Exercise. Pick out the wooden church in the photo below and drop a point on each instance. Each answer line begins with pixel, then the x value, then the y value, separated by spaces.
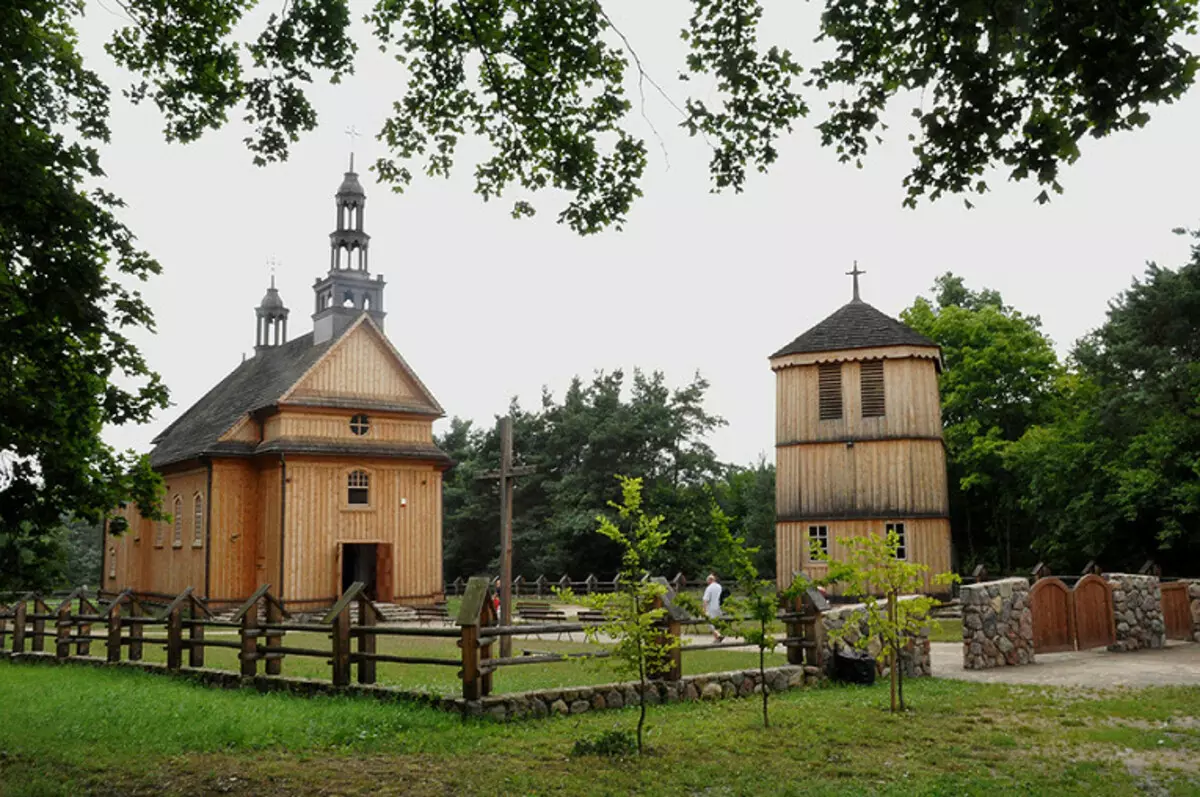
pixel 309 467
pixel 858 441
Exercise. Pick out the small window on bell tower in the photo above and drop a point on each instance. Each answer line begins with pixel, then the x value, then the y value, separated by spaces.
pixel 360 424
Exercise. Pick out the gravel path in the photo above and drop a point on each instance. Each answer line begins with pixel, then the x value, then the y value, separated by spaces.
pixel 1177 663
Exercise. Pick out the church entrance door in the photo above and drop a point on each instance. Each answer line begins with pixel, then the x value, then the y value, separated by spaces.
pixel 370 563
pixel 358 564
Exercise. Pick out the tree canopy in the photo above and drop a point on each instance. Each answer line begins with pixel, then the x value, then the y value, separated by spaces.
pixel 639 427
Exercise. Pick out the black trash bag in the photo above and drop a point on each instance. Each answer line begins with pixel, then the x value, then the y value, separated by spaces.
pixel 853 667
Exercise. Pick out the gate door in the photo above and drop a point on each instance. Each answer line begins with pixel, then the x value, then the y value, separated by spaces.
pixel 1176 608
pixel 1053 616
pixel 1094 612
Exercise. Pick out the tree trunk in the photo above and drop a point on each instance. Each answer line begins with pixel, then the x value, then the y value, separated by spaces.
pixel 642 680
pixel 895 653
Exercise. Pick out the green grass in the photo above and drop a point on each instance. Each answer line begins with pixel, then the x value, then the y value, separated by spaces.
pixel 444 679
pixel 946 631
pixel 78 730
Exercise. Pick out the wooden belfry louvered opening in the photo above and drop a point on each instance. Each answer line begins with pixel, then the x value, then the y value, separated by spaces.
pixel 874 402
pixel 830 391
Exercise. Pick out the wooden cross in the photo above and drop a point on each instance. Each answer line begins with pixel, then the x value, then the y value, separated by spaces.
pixel 855 274
pixel 352 133
pixel 506 474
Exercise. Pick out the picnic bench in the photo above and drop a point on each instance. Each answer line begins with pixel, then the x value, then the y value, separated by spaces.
pixel 590 616
pixel 541 612
pixel 430 614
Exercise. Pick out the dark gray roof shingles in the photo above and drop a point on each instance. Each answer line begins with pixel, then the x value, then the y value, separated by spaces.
pixel 258 382
pixel 856 325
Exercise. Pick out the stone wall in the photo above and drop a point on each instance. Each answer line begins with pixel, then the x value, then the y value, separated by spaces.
pixel 1137 612
pixel 582 699
pixel 914 662
pixel 997 624
pixel 1194 594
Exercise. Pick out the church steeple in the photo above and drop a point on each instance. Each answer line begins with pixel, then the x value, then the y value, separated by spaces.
pixel 347 290
pixel 271 316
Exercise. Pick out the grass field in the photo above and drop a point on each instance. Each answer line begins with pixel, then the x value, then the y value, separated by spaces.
pixel 77 730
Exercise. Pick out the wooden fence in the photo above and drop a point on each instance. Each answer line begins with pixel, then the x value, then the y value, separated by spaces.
pixel 126 622
pixel 591 585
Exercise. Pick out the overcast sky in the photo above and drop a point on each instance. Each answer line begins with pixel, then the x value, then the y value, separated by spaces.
pixel 485 308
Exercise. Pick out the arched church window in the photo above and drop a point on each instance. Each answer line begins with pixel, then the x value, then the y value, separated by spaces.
pixel 177 540
pixel 358 488
pixel 366 302
pixel 197 521
pixel 360 424
pixel 348 299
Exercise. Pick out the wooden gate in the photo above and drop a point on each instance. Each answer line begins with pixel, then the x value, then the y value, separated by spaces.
pixel 1177 614
pixel 1051 602
pixel 1093 613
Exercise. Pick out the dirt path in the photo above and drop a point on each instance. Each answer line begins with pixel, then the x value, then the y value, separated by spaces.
pixel 1176 664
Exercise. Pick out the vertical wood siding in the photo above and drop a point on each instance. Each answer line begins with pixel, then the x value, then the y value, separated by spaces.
pixel 319 518
pixel 927 540
pixel 360 366
pixel 912 405
pixel 297 425
pixel 141 565
pixel 235 528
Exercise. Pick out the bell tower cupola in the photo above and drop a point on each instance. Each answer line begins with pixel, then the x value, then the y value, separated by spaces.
pixel 271 316
pixel 348 290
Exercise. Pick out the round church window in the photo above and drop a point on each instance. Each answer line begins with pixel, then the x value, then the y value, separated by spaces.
pixel 360 424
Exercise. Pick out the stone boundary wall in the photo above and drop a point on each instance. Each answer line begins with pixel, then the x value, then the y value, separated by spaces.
pixel 915 663
pixel 516 705
pixel 997 624
pixel 1137 612
pixel 1194 595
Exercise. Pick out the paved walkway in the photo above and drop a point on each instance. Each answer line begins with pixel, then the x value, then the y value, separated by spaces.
pixel 1177 663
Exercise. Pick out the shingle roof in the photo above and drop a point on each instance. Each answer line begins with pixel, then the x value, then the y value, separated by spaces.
pixel 856 325
pixel 254 384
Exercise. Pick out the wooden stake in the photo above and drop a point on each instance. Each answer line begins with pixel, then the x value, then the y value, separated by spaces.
pixel 366 641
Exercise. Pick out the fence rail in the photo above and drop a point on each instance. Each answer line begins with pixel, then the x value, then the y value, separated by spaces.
pixel 122 624
pixel 542 586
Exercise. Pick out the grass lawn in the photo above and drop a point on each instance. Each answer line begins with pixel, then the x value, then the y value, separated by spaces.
pixel 947 631
pixel 444 679
pixel 78 730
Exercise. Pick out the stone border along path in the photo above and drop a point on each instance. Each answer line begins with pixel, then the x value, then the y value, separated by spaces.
pixel 1178 663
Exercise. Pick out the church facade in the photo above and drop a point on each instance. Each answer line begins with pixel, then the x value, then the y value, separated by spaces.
pixel 312 465
pixel 859 449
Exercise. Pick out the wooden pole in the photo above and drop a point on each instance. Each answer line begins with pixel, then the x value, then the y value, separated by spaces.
pixel 366 641
pixel 136 630
pixel 470 662
pixel 83 647
pixel 506 546
pixel 174 639
pixel 19 612
pixel 38 640
pixel 249 632
pixel 113 651
pixel 274 616
pixel 196 637
pixel 341 647
pixel 62 647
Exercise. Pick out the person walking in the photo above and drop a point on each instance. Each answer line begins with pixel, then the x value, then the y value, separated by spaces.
pixel 712 605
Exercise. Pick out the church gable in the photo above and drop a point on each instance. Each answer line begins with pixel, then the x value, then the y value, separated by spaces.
pixel 363 368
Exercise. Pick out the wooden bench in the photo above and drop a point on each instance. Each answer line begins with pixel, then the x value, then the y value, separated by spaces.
pixel 590 616
pixel 537 612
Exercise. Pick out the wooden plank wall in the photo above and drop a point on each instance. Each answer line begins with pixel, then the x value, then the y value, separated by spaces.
pixel 167 568
pixel 235 528
pixel 912 404
pixel 266 541
pixel 927 539
pixel 873 477
pixel 335 425
pixel 319 517
pixel 360 366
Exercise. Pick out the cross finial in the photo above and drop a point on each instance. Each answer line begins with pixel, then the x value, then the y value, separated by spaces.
pixel 855 274
pixel 352 133
pixel 272 263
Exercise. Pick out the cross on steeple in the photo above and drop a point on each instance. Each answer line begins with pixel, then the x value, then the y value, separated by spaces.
pixel 271 264
pixel 352 133
pixel 855 274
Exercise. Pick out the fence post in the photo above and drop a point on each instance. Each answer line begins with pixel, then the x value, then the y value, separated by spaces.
pixel 564 583
pixel 83 645
pixel 136 629
pixel 366 641
pixel 679 583
pixel 113 651
pixel 517 584
pixel 195 637
pixel 19 611
pixel 274 637
pixel 540 584
pixel 458 585
pixel 341 647
pixel 249 633
pixel 589 584
pixel 62 647
pixel 174 639
pixel 38 641
pixel 476 611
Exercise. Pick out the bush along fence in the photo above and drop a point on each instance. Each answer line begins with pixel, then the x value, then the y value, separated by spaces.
pixel 1006 622
pixel 31 629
